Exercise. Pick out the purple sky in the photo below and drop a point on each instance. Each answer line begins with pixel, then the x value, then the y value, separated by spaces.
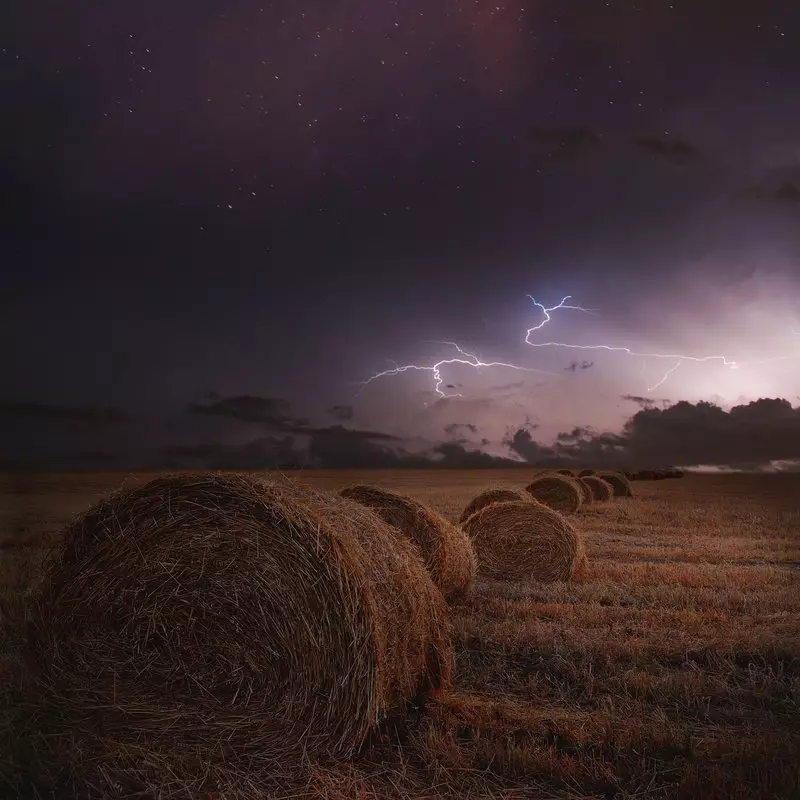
pixel 208 201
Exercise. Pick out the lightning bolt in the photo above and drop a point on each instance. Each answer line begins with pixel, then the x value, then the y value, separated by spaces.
pixel 665 376
pixel 548 311
pixel 679 358
pixel 465 358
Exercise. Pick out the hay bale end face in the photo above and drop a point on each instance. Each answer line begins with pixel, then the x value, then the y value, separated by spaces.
pixel 489 496
pixel 519 540
pixel 559 492
pixel 445 548
pixel 601 490
pixel 198 631
pixel 620 484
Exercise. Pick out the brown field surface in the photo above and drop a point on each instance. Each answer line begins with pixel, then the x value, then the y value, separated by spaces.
pixel 672 669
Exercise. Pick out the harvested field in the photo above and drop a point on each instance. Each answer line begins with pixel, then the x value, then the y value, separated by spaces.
pixel 671 669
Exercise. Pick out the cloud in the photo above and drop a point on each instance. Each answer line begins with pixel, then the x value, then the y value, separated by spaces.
pixel 341 412
pixel 262 453
pixel 270 411
pixel 645 402
pixel 576 434
pixel 576 365
pixel 522 443
pixel 678 151
pixel 786 192
pixel 454 427
pixel 566 142
pixel 91 416
pixel 757 434
pixel 455 456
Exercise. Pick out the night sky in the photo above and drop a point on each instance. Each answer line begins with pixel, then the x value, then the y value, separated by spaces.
pixel 220 219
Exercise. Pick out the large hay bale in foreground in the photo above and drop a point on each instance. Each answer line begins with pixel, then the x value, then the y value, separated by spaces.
pixel 489 496
pixel 445 548
pixel 568 472
pixel 198 631
pixel 621 485
pixel 601 490
pixel 584 473
pixel 519 540
pixel 559 492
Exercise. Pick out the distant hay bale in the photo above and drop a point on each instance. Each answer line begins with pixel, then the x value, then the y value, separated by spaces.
pixel 646 475
pixel 445 548
pixel 199 630
pixel 588 492
pixel 489 496
pixel 621 485
pixel 660 474
pixel 517 540
pixel 568 472
pixel 585 473
pixel 559 492
pixel 601 490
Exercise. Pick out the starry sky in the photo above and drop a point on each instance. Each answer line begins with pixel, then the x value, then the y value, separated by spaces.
pixel 222 219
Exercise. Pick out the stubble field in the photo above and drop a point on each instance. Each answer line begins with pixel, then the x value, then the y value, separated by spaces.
pixel 671 670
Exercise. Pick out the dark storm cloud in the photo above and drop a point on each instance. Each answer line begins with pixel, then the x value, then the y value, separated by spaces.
pixel 262 453
pixel 685 434
pixel 574 366
pixel 453 428
pixel 678 151
pixel 91 416
pixel 786 193
pixel 522 443
pixel 453 455
pixel 644 402
pixel 576 434
pixel 270 411
pixel 341 412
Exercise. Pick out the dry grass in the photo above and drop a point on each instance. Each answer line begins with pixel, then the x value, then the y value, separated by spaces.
pixel 445 548
pixel 672 670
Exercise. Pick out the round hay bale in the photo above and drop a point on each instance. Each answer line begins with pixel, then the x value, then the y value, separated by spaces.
pixel 489 496
pixel 601 490
pixel 621 485
pixel 445 548
pixel 568 472
pixel 199 630
pixel 585 473
pixel 559 492
pixel 588 492
pixel 646 475
pixel 518 540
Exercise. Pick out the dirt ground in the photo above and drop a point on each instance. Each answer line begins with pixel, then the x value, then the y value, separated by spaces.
pixel 671 670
